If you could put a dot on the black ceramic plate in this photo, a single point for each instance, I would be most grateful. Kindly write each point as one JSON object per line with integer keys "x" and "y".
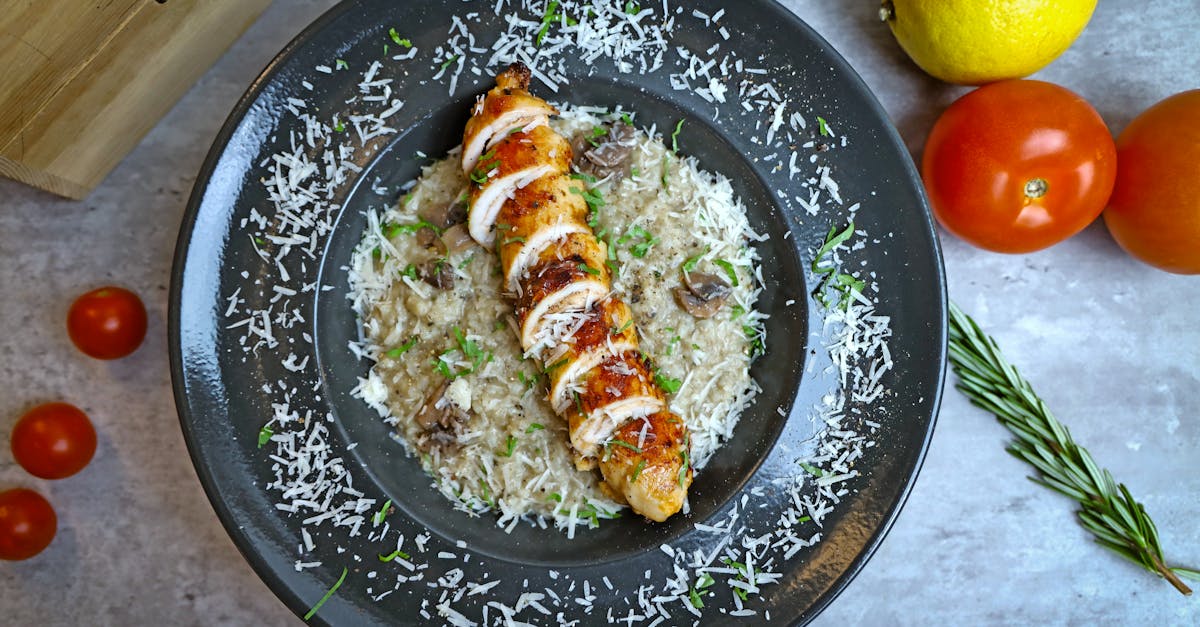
{"x": 224, "y": 394}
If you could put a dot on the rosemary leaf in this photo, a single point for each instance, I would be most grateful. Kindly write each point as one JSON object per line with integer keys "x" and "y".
{"x": 1107, "y": 508}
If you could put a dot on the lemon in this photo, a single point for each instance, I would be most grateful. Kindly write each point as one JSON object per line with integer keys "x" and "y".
{"x": 972, "y": 42}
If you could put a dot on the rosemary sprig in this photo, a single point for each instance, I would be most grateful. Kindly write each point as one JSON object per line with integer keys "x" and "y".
{"x": 1107, "y": 509}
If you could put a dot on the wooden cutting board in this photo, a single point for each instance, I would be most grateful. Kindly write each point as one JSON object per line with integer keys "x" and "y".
{"x": 82, "y": 81}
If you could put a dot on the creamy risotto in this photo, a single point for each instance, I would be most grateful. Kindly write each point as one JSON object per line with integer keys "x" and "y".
{"x": 449, "y": 373}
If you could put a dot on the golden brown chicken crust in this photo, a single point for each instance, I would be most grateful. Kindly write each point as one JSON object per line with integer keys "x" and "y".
{"x": 654, "y": 477}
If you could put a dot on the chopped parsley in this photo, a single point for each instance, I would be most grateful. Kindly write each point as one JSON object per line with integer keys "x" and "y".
{"x": 675, "y": 137}
{"x": 582, "y": 176}
{"x": 484, "y": 167}
{"x": 447, "y": 62}
{"x": 396, "y": 38}
{"x": 683, "y": 468}
{"x": 588, "y": 269}
{"x": 833, "y": 280}
{"x": 339, "y": 127}
{"x": 632, "y": 8}
{"x": 403, "y": 348}
{"x": 557, "y": 364}
{"x": 620, "y": 442}
{"x": 729, "y": 271}
{"x": 341, "y": 64}
{"x": 639, "y": 250}
{"x": 470, "y": 350}
{"x": 668, "y": 384}
{"x": 625, "y": 116}
{"x": 466, "y": 262}
{"x": 823, "y": 126}
{"x": 264, "y": 435}
{"x": 392, "y": 230}
{"x": 736, "y": 312}
{"x": 689, "y": 264}
{"x": 597, "y": 133}
{"x": 534, "y": 426}
{"x": 510, "y": 446}
{"x": 382, "y": 513}
{"x": 637, "y": 471}
{"x": 409, "y": 271}
{"x": 810, "y": 469}
{"x": 313, "y": 612}
{"x": 393, "y": 555}
{"x": 666, "y": 170}
{"x": 624, "y": 327}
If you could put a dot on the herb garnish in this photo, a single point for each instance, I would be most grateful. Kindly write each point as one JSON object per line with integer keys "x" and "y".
{"x": 689, "y": 264}
{"x": 403, "y": 348}
{"x": 1107, "y": 509}
{"x": 447, "y": 62}
{"x": 675, "y": 137}
{"x": 597, "y": 133}
{"x": 382, "y": 513}
{"x": 810, "y": 469}
{"x": 393, "y": 555}
{"x": 637, "y": 471}
{"x": 312, "y": 612}
{"x": 341, "y": 64}
{"x": 264, "y": 435}
{"x": 839, "y": 282}
{"x": 510, "y": 446}
{"x": 588, "y": 269}
{"x": 632, "y": 8}
{"x": 729, "y": 271}
{"x": 668, "y": 384}
{"x": 396, "y": 38}
{"x": 534, "y": 426}
{"x": 823, "y": 126}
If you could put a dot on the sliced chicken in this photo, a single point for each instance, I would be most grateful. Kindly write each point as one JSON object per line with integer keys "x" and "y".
{"x": 617, "y": 389}
{"x": 524, "y": 203}
{"x": 647, "y": 462}
{"x": 603, "y": 333}
{"x": 555, "y": 287}
{"x": 516, "y": 161}
{"x": 506, "y": 107}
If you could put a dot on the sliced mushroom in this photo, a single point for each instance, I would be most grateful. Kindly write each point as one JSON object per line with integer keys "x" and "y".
{"x": 438, "y": 273}
{"x": 607, "y": 154}
{"x": 703, "y": 295}
{"x": 446, "y": 216}
{"x": 440, "y": 416}
{"x": 706, "y": 286}
{"x": 457, "y": 239}
{"x": 435, "y": 410}
{"x": 429, "y": 239}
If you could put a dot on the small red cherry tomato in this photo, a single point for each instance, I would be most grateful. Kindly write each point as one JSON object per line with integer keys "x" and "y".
{"x": 53, "y": 441}
{"x": 107, "y": 323}
{"x": 27, "y": 524}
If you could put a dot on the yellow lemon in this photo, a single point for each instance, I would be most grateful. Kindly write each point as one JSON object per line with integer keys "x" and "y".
{"x": 972, "y": 42}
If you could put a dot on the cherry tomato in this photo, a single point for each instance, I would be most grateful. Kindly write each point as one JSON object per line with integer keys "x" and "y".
{"x": 27, "y": 524}
{"x": 107, "y": 323}
{"x": 1017, "y": 166}
{"x": 53, "y": 441}
{"x": 1154, "y": 213}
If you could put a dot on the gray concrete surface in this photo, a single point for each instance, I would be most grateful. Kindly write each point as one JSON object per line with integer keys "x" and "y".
{"x": 1111, "y": 345}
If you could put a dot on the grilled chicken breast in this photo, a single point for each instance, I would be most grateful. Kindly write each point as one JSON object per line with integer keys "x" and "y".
{"x": 524, "y": 204}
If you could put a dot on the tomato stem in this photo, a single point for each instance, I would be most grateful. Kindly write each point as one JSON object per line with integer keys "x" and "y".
{"x": 1036, "y": 188}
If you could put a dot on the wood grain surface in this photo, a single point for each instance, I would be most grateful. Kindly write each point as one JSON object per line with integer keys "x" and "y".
{"x": 82, "y": 82}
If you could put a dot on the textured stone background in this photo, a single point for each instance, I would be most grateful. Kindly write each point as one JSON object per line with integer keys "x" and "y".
{"x": 1111, "y": 345}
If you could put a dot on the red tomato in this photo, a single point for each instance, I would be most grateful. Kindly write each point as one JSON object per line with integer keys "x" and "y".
{"x": 1154, "y": 213}
{"x": 53, "y": 441}
{"x": 27, "y": 524}
{"x": 107, "y": 323}
{"x": 1017, "y": 166}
